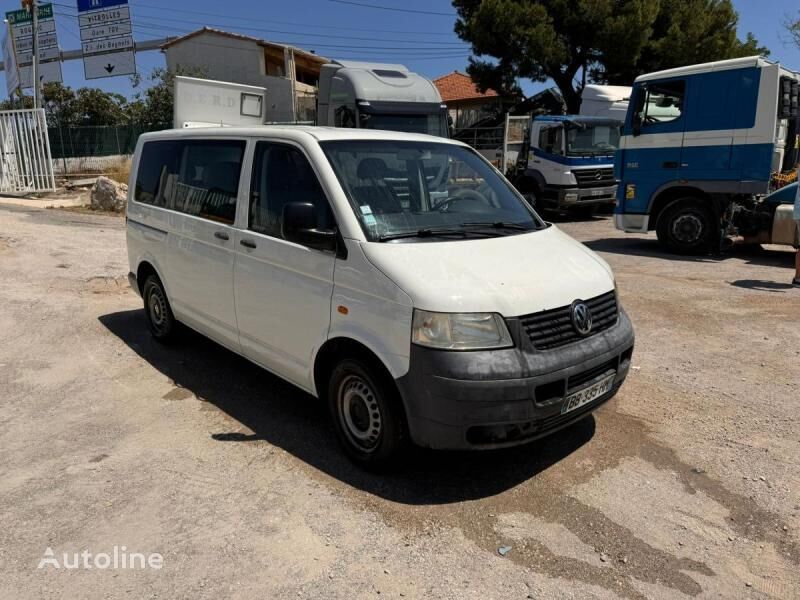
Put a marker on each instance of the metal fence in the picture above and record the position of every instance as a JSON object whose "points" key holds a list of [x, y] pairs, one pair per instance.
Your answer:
{"points": [[90, 150], [25, 162]]}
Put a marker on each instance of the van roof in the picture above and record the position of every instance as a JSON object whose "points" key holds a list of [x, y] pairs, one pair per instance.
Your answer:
{"points": [[295, 132]]}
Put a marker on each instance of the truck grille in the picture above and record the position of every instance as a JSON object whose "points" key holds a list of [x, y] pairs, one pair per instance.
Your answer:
{"points": [[553, 328], [594, 177]]}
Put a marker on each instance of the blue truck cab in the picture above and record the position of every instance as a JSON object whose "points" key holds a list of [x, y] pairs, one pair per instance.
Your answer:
{"points": [[700, 147], [567, 162]]}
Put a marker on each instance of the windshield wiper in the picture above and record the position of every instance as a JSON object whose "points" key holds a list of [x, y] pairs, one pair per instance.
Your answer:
{"points": [[422, 233], [498, 225]]}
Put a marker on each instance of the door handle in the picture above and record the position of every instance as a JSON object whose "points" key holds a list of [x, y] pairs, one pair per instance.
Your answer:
{"points": [[247, 243], [221, 235], [670, 164]]}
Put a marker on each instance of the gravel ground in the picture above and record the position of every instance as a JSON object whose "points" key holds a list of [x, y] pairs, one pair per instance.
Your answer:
{"points": [[685, 485]]}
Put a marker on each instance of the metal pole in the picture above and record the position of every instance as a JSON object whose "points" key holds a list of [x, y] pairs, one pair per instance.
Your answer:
{"points": [[37, 83]]}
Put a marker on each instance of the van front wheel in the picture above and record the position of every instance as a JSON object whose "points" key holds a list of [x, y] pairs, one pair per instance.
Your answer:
{"points": [[157, 310], [367, 414]]}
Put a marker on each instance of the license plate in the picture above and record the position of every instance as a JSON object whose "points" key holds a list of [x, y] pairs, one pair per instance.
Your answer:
{"points": [[587, 394], [598, 192]]}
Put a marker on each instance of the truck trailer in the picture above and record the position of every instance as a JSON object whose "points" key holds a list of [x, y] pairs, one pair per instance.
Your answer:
{"points": [[351, 94], [701, 147]]}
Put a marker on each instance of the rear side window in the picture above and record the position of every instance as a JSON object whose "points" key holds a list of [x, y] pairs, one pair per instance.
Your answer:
{"points": [[196, 177]]}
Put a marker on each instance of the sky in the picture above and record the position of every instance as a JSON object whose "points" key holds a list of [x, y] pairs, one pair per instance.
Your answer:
{"points": [[416, 33]]}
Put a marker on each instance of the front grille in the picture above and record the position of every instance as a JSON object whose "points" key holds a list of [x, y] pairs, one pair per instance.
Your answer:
{"points": [[553, 328], [594, 177]]}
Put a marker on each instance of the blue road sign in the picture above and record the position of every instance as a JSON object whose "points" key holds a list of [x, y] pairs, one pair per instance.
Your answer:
{"points": [[84, 5]]}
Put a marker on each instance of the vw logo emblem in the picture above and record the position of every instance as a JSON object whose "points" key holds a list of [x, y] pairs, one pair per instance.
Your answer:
{"points": [[581, 317], [598, 175]]}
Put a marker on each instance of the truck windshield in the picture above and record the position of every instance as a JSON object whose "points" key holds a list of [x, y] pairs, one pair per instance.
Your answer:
{"points": [[592, 140], [413, 190], [432, 124]]}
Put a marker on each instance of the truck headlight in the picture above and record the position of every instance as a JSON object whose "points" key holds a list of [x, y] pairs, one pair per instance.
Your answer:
{"points": [[460, 331], [571, 197]]}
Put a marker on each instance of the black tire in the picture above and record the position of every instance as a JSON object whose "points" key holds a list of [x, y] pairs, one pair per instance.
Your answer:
{"points": [[688, 226], [367, 414], [158, 312], [529, 191]]}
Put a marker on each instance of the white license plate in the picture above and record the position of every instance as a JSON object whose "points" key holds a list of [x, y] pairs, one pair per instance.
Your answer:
{"points": [[598, 192], [587, 394]]}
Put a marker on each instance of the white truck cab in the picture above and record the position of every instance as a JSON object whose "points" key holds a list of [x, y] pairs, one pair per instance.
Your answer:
{"points": [[332, 258], [567, 163]]}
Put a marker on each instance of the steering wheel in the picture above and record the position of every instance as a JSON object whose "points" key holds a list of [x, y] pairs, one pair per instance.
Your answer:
{"points": [[649, 119], [470, 197]]}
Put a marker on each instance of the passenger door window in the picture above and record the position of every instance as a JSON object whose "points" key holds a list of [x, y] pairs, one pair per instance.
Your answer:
{"points": [[196, 177], [282, 174]]}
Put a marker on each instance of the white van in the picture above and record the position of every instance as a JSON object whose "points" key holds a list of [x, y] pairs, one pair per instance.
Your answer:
{"points": [[397, 276]]}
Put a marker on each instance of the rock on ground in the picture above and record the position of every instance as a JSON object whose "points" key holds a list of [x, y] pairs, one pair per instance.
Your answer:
{"points": [[107, 194]]}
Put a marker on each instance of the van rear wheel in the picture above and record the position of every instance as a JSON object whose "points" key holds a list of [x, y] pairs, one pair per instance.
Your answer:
{"points": [[157, 310], [367, 414], [688, 226]]}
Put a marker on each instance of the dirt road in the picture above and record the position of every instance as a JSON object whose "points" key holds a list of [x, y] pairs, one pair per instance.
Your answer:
{"points": [[687, 485]]}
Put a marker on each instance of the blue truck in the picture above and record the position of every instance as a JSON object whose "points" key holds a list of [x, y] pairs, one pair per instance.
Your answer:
{"points": [[700, 149]]}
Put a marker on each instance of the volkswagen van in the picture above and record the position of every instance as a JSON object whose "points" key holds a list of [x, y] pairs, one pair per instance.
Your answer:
{"points": [[398, 277]]}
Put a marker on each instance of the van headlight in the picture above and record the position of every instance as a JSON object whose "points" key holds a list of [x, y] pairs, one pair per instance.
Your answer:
{"points": [[460, 331]]}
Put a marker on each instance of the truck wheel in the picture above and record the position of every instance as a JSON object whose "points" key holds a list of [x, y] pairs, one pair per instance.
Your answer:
{"points": [[157, 311], [367, 414], [688, 226]]}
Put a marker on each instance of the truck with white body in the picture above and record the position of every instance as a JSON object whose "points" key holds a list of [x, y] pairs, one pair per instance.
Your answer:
{"points": [[567, 163], [701, 147], [351, 94]]}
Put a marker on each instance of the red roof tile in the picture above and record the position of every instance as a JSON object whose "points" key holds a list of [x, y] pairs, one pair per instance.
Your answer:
{"points": [[459, 86]]}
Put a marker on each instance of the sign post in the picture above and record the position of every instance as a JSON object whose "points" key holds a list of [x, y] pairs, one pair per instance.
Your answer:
{"points": [[106, 38]]}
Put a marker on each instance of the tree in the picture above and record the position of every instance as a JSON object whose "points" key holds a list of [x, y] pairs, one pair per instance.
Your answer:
{"points": [[793, 27], [604, 41], [155, 106]]}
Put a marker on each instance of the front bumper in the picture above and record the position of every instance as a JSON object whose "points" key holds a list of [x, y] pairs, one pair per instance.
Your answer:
{"points": [[568, 197], [497, 398]]}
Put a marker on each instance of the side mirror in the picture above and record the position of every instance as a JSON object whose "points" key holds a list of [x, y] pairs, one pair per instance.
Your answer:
{"points": [[300, 226]]}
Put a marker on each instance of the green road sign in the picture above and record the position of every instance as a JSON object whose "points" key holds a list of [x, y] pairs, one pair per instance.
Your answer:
{"points": [[16, 17]]}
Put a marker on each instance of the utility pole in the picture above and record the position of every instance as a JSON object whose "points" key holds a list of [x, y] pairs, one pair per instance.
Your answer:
{"points": [[37, 82]]}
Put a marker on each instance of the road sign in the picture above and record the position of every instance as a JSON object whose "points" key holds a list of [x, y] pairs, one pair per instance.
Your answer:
{"points": [[107, 15], [25, 44], [96, 66], [25, 29], [21, 22], [106, 45], [48, 72], [106, 36], [17, 17], [86, 5], [89, 34], [10, 61]]}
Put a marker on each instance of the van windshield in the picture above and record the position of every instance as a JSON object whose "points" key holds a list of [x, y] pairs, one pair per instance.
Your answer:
{"points": [[413, 190]]}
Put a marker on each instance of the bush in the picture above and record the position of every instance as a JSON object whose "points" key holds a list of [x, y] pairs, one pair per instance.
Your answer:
{"points": [[120, 171]]}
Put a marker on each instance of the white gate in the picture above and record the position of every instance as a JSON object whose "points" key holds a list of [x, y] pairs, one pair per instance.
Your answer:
{"points": [[25, 164]]}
